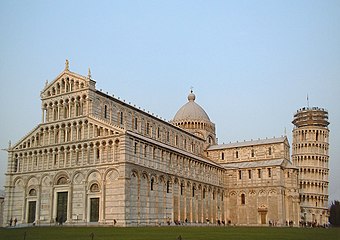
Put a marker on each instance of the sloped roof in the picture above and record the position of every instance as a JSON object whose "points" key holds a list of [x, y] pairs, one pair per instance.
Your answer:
{"points": [[248, 143], [166, 146], [256, 164]]}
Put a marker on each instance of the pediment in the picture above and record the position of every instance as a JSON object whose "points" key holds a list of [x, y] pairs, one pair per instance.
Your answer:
{"points": [[33, 138], [30, 139], [115, 130], [65, 83], [286, 141]]}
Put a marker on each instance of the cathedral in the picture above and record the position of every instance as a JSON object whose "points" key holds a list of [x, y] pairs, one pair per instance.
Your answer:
{"points": [[96, 159]]}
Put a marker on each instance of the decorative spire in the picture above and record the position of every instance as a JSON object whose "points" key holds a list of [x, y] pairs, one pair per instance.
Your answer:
{"points": [[67, 65], [89, 74]]}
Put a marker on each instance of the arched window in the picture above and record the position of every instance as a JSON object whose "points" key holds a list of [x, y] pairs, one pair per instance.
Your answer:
{"points": [[147, 128], [55, 157], [55, 114], [77, 109], [94, 187], [56, 139], [61, 181], [270, 151], [236, 154], [79, 133], [65, 112], [168, 186], [252, 153], [32, 192], [269, 172], [243, 199], [121, 117], [259, 173], [105, 111], [68, 134], [222, 156], [98, 153], [136, 123], [152, 182], [16, 164], [135, 148], [145, 150]]}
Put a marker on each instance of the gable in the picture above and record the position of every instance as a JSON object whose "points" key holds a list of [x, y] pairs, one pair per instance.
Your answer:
{"points": [[66, 83], [30, 139], [35, 137], [105, 125]]}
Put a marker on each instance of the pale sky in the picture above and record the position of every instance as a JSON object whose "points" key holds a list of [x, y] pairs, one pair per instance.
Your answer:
{"points": [[251, 63]]}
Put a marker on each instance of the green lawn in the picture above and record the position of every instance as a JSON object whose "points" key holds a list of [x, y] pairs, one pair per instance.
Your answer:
{"points": [[167, 233]]}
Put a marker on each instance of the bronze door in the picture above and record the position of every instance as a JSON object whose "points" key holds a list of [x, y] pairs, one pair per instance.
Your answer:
{"points": [[62, 207], [94, 209], [263, 217], [31, 211]]}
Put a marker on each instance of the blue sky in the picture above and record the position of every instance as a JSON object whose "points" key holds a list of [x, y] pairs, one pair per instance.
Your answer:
{"points": [[251, 63]]}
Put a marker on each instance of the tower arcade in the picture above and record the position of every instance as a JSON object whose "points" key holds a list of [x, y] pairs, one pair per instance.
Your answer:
{"points": [[310, 155]]}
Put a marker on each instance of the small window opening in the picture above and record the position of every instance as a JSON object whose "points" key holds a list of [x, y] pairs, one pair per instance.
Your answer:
{"points": [[243, 199]]}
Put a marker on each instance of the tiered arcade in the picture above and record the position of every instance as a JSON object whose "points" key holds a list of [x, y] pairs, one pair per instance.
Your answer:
{"points": [[310, 155]]}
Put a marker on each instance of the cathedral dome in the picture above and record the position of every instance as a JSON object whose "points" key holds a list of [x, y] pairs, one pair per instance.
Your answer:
{"points": [[191, 111]]}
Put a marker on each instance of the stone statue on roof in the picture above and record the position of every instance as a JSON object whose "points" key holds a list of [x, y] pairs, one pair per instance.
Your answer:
{"points": [[66, 65]]}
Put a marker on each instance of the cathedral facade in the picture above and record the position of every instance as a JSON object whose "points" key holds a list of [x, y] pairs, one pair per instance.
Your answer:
{"points": [[95, 159]]}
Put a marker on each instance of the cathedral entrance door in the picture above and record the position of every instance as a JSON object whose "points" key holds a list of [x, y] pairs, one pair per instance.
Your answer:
{"points": [[31, 211], [62, 207], [263, 217], [94, 209]]}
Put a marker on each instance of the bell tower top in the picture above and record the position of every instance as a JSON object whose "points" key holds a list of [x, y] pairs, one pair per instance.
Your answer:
{"points": [[311, 117]]}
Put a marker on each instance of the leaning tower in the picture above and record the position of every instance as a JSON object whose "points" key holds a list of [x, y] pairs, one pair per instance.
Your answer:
{"points": [[310, 155]]}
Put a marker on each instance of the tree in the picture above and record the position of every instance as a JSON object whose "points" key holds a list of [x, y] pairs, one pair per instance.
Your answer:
{"points": [[334, 215]]}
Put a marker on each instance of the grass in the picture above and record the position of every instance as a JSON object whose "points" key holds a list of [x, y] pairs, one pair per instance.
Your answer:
{"points": [[167, 233]]}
